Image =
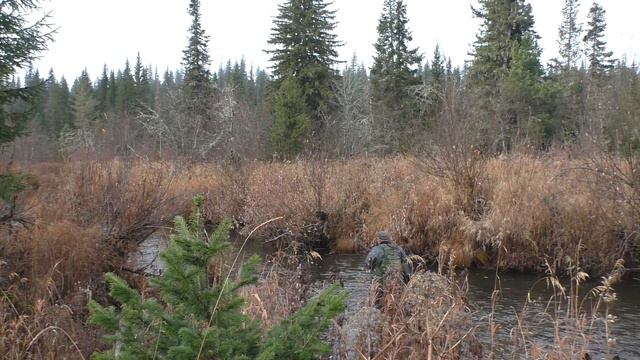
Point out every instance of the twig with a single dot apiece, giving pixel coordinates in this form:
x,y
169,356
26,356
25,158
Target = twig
x,y
53,328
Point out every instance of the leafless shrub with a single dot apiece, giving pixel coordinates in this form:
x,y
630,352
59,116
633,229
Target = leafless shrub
x,y
615,178
350,130
190,134
455,154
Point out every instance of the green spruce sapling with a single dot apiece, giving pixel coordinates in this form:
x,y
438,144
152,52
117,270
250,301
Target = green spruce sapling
x,y
198,316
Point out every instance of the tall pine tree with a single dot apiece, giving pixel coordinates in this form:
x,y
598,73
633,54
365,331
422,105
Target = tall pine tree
x,y
506,75
125,94
84,108
102,91
395,70
565,70
599,59
569,36
305,51
505,23
436,83
600,62
197,84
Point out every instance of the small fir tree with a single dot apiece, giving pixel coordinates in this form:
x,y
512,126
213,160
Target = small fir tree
x,y
198,315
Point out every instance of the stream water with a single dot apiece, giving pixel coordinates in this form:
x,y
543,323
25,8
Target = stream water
x,y
513,287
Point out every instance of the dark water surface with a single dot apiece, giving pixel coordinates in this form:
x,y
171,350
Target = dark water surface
x,y
513,287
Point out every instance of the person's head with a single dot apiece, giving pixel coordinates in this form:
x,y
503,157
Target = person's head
x,y
384,237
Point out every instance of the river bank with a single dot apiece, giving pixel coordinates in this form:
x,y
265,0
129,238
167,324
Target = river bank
x,y
513,213
521,213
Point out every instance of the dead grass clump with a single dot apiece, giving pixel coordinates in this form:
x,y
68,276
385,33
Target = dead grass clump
x,y
349,199
427,319
46,332
72,253
520,224
279,293
578,321
127,201
279,190
223,186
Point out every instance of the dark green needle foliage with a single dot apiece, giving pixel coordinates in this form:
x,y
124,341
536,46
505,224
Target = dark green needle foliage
x,y
395,71
305,50
298,337
197,315
20,42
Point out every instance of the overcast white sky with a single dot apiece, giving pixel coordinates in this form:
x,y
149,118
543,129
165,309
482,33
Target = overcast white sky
x,y
96,32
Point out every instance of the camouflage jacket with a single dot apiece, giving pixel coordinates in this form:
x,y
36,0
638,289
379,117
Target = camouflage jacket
x,y
388,257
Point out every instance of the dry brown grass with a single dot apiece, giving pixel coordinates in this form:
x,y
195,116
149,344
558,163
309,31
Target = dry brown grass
x,y
526,208
426,319
87,216
577,316
278,294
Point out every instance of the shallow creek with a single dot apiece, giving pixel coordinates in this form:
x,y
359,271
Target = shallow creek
x,y
514,288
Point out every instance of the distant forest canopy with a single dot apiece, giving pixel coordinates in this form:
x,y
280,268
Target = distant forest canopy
x,y
308,102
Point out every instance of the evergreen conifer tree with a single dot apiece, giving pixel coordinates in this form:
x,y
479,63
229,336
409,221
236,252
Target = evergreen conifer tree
x,y
290,129
197,316
112,93
61,107
530,102
505,23
599,59
84,107
125,94
436,84
305,51
33,80
102,91
395,70
564,70
21,41
142,82
569,36
506,75
197,85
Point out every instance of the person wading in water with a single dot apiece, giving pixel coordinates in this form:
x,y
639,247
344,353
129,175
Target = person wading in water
x,y
387,260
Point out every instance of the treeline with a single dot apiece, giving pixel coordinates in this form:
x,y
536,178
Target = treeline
x,y
309,102
116,112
